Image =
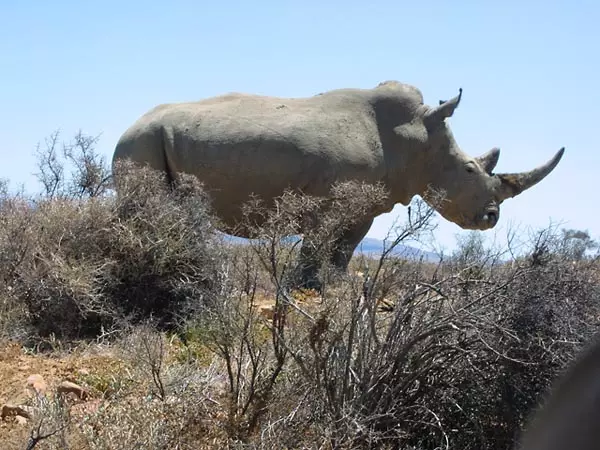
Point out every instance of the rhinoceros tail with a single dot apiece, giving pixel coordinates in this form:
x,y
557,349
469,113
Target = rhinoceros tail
x,y
147,146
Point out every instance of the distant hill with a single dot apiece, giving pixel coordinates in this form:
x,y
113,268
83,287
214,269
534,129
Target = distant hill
x,y
370,246
374,247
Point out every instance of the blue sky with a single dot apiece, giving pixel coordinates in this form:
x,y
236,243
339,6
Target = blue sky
x,y
529,70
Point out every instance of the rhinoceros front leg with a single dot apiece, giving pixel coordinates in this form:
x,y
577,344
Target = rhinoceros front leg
x,y
347,243
310,259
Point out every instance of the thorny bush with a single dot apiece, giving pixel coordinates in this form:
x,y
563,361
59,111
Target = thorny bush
x,y
406,354
81,265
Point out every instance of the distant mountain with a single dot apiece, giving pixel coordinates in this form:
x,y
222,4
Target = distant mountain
x,y
368,246
374,247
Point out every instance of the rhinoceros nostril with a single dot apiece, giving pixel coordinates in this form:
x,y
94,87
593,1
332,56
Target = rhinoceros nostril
x,y
492,217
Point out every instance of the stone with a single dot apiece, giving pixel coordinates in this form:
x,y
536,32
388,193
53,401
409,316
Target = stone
x,y
68,387
10,410
21,420
37,383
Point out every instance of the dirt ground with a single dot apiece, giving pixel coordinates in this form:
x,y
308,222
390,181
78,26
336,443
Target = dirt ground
x,y
91,366
17,365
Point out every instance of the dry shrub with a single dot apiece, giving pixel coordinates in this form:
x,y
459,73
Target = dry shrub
x,y
541,320
72,169
254,350
234,329
15,242
323,221
410,356
80,266
169,255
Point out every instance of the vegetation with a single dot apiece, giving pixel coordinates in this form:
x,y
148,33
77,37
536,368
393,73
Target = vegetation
x,y
214,349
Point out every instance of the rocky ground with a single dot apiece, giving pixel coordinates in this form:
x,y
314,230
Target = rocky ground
x,y
25,377
91,380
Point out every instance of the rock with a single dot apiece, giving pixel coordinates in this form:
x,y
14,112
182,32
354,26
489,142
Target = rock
x,y
37,383
67,387
10,410
21,420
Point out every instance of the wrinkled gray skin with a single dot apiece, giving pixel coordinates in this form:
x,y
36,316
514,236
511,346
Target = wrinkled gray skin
x,y
240,144
570,419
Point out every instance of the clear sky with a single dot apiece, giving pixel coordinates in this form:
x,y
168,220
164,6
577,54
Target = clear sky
x,y
529,70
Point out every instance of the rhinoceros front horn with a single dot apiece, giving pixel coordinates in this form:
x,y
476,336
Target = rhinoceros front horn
x,y
515,183
437,115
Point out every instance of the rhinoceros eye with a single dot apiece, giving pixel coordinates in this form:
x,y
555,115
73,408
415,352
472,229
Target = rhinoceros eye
x,y
470,168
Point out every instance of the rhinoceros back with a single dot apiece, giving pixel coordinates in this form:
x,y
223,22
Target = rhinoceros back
x,y
239,145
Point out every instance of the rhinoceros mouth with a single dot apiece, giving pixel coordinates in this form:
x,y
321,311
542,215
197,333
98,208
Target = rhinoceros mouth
x,y
490,217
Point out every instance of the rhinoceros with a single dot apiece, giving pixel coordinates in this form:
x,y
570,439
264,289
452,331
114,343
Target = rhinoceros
x,y
240,145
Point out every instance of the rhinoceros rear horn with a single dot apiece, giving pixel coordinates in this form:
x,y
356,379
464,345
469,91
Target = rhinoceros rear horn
x,y
437,115
488,160
515,183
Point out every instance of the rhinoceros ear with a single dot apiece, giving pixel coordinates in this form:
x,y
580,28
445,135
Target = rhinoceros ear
x,y
512,184
488,160
437,115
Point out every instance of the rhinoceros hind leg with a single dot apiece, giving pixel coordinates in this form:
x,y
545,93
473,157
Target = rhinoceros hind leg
x,y
306,274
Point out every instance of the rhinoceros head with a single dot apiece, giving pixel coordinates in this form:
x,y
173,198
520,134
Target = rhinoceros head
x,y
472,192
